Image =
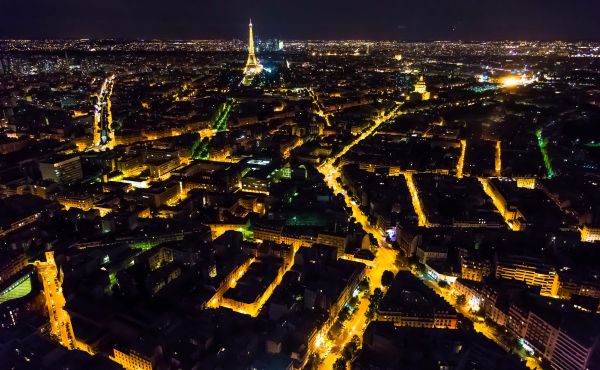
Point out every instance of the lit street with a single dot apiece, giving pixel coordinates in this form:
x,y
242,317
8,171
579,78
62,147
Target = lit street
x,y
385,258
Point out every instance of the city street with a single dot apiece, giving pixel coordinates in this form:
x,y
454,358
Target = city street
x,y
385,258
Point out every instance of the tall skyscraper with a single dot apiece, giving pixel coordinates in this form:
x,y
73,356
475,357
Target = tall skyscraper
x,y
5,65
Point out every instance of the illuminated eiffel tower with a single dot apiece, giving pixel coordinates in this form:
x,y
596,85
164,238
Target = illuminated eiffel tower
x,y
253,67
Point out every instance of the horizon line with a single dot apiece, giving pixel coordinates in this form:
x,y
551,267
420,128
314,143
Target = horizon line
x,y
293,39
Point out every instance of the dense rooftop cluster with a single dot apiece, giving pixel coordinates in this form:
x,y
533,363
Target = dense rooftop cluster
x,y
354,203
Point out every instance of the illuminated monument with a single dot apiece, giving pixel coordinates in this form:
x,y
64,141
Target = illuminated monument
x,y
420,92
253,67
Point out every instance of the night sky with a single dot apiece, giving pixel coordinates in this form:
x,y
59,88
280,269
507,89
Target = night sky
x,y
316,19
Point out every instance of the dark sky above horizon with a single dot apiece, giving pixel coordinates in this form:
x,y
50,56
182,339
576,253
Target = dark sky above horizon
x,y
306,19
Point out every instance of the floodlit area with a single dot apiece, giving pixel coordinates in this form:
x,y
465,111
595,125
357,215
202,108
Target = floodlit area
x,y
513,81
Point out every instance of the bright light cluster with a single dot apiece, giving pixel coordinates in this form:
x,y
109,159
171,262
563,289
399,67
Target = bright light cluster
x,y
512,81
